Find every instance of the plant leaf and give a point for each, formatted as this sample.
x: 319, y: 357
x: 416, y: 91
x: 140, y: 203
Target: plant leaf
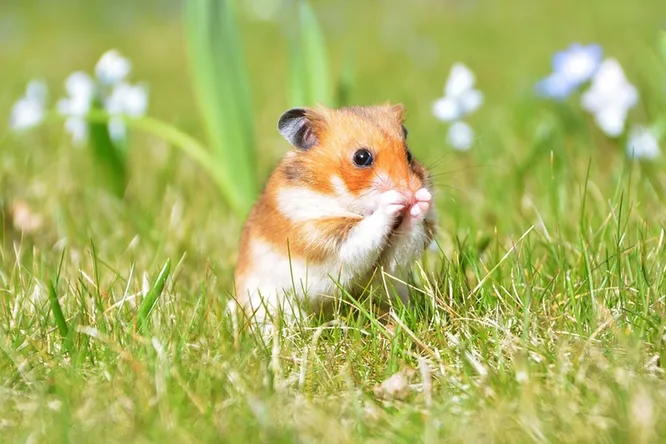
x: 108, y: 159
x: 183, y: 141
x: 309, y: 77
x: 345, y: 82
x: 223, y: 94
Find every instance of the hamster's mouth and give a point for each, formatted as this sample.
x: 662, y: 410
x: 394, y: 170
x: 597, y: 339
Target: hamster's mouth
x: 398, y: 221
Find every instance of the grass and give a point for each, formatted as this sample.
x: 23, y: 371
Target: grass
x: 541, y: 318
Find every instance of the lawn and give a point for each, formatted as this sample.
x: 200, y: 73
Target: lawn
x: 540, y: 312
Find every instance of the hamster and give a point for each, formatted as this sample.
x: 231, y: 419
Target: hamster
x: 348, y: 201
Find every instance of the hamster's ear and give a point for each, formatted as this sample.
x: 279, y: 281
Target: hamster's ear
x: 297, y: 125
x: 398, y: 111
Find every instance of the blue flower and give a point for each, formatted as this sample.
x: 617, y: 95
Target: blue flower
x: 578, y: 63
x: 571, y: 68
x: 555, y: 86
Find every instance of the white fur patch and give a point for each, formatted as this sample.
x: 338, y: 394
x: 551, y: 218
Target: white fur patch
x: 300, y: 204
x: 272, y: 274
x: 339, y: 186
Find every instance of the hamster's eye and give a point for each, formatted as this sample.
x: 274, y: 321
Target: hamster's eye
x: 409, y: 156
x: 363, y: 157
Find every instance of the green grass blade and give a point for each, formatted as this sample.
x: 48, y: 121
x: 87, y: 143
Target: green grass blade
x: 59, y: 317
x: 57, y: 311
x: 309, y: 77
x: 150, y: 300
x: 223, y: 94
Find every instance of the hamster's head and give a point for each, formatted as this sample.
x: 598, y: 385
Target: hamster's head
x: 353, y: 153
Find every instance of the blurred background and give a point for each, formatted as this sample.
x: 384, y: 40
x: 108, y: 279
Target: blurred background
x: 386, y: 50
x: 402, y: 51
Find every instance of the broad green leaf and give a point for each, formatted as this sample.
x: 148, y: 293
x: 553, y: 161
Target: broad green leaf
x: 110, y: 161
x: 345, y: 81
x: 309, y: 77
x: 223, y: 93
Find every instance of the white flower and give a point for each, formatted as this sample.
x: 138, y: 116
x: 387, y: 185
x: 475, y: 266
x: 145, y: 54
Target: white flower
x: 109, y: 91
x: 460, y: 97
x: 642, y: 144
x: 125, y: 99
x: 112, y: 67
x: 460, y: 136
x: 610, y: 97
x: 26, y: 114
x: 81, y: 89
x: 29, y: 111
x: 461, y: 79
x: 77, y: 127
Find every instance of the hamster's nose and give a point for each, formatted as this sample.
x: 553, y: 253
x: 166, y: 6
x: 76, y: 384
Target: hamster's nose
x: 407, y: 187
x: 411, y: 184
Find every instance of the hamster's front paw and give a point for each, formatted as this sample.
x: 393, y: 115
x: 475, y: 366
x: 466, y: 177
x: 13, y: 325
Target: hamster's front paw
x: 392, y: 203
x: 420, y: 208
